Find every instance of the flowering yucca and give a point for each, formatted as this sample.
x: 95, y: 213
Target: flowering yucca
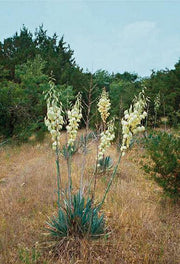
x: 107, y: 137
x: 77, y: 216
x: 104, y: 105
x: 131, y: 122
x: 54, y: 120
x: 74, y: 117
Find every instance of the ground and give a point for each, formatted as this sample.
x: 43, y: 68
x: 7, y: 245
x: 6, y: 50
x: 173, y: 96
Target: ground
x: 143, y: 226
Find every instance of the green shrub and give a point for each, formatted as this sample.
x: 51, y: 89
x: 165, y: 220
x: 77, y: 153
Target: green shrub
x: 164, y: 150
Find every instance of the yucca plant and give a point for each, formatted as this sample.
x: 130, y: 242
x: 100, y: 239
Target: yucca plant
x: 105, y: 164
x: 78, y: 215
x: 84, y: 140
x: 67, y: 151
x: 78, y: 219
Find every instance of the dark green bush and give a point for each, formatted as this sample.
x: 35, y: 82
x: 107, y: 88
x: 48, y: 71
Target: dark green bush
x: 164, y: 150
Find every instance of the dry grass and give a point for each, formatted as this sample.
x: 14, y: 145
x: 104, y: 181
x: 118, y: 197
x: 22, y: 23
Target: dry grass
x: 144, y: 227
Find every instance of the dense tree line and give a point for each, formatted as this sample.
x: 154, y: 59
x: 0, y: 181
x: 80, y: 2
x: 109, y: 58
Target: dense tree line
x: 26, y: 62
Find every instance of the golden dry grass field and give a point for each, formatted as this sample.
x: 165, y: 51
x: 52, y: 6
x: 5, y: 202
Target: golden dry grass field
x: 144, y: 227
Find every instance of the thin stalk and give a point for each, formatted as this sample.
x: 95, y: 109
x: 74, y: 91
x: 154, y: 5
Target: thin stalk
x: 95, y: 169
x: 164, y: 115
x: 83, y: 167
x: 104, y: 129
x: 58, y: 176
x: 69, y: 177
x: 146, y: 124
x: 155, y: 119
x: 93, y: 193
x: 95, y: 174
x: 110, y: 181
x: 88, y: 105
x: 119, y: 118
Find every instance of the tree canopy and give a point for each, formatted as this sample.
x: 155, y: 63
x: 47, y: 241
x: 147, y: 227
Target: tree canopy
x: 26, y: 62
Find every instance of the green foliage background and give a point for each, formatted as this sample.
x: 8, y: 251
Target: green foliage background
x: 26, y: 62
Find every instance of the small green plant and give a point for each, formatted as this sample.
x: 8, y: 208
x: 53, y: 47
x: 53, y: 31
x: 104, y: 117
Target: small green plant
x: 163, y: 149
x: 105, y: 164
x: 27, y: 256
x: 70, y: 150
x: 84, y: 140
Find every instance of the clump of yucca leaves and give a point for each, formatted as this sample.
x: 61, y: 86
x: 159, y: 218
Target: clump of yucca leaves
x: 77, y: 219
x: 105, y: 164
x: 69, y: 150
x: 80, y: 144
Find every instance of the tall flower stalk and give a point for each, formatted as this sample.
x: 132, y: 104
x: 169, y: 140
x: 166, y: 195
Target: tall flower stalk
x: 131, y: 122
x: 74, y: 118
x: 54, y: 122
x: 106, y: 136
x: 131, y: 125
x: 86, y: 136
x: 104, y: 106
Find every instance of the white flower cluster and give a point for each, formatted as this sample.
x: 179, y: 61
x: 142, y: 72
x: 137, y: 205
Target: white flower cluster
x: 106, y: 138
x: 74, y: 117
x: 104, y: 105
x: 54, y: 122
x: 131, y: 122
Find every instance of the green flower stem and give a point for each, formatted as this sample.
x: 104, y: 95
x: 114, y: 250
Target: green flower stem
x: 110, y: 181
x: 69, y: 177
x: 93, y: 193
x: 82, y: 174
x: 83, y: 165
x: 58, y: 176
